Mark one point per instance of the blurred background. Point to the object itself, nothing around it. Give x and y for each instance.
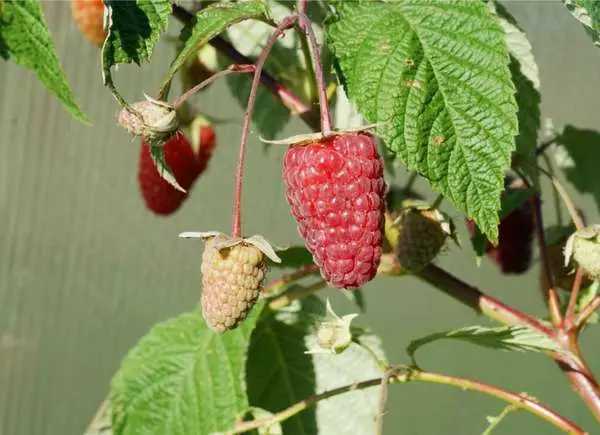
(85, 269)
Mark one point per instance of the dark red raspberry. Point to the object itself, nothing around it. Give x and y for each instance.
(335, 189)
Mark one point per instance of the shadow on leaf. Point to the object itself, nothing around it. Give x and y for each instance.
(579, 158)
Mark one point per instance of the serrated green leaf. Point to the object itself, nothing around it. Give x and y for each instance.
(577, 154)
(508, 338)
(587, 12)
(436, 75)
(157, 152)
(134, 28)
(525, 76)
(209, 22)
(25, 40)
(280, 374)
(183, 378)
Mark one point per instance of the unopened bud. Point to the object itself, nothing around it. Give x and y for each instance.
(584, 247)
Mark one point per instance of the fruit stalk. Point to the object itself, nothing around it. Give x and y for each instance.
(569, 323)
(306, 27)
(287, 23)
(589, 309)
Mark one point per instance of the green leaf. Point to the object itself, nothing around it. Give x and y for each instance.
(209, 22)
(280, 374)
(182, 378)
(436, 76)
(509, 338)
(587, 12)
(577, 154)
(25, 40)
(294, 257)
(525, 76)
(157, 152)
(135, 26)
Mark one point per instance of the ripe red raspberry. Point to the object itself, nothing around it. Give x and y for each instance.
(335, 190)
(89, 16)
(187, 162)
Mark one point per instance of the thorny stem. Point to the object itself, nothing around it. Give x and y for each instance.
(551, 295)
(287, 97)
(298, 293)
(556, 195)
(385, 382)
(404, 375)
(306, 27)
(231, 70)
(237, 214)
(569, 323)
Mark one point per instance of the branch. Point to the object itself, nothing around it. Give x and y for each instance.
(287, 97)
(479, 301)
(298, 293)
(277, 284)
(587, 312)
(570, 314)
(407, 375)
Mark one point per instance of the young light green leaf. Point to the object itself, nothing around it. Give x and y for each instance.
(280, 373)
(134, 28)
(587, 12)
(436, 75)
(209, 22)
(25, 40)
(526, 77)
(183, 378)
(510, 338)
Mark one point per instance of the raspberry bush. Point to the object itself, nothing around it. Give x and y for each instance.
(449, 89)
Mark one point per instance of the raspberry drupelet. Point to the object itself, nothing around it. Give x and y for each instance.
(335, 189)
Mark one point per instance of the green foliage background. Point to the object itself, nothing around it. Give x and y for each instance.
(75, 240)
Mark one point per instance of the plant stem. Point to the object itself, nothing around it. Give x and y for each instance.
(231, 70)
(575, 217)
(276, 285)
(587, 312)
(518, 400)
(298, 293)
(569, 322)
(237, 213)
(545, 145)
(438, 201)
(551, 295)
(306, 27)
(479, 301)
(287, 97)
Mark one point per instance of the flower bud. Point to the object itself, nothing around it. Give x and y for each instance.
(584, 247)
(333, 335)
(150, 118)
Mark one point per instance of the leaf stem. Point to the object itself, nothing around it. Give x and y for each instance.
(436, 203)
(287, 23)
(551, 295)
(575, 217)
(587, 312)
(404, 375)
(412, 178)
(306, 27)
(569, 322)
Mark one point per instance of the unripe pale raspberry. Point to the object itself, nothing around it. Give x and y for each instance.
(422, 234)
(335, 189)
(232, 279)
